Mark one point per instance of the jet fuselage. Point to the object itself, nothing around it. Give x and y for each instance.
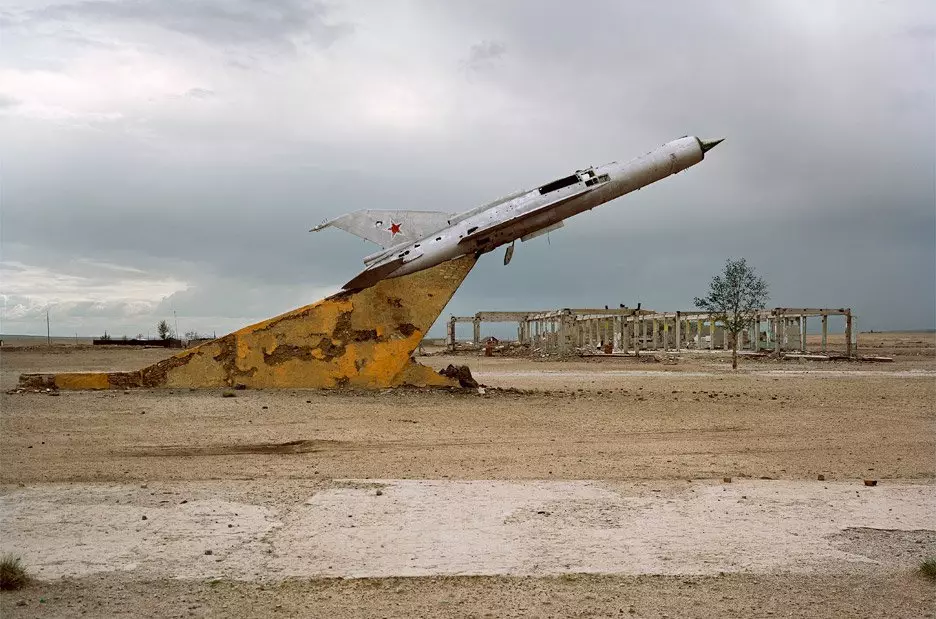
(526, 214)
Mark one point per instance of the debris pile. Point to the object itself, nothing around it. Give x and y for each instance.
(462, 373)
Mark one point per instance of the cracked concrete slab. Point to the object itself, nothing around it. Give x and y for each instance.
(441, 527)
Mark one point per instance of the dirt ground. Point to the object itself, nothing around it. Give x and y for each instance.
(596, 488)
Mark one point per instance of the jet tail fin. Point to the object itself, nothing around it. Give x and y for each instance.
(389, 228)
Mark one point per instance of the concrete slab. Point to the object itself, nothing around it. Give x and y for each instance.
(441, 527)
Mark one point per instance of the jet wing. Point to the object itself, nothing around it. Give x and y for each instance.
(369, 277)
(500, 225)
(388, 228)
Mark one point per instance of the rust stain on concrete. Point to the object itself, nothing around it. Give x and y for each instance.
(361, 339)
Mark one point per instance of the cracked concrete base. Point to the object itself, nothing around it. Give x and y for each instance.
(440, 527)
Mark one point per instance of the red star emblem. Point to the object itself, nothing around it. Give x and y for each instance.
(394, 228)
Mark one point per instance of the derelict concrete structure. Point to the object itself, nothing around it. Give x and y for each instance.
(568, 331)
(354, 339)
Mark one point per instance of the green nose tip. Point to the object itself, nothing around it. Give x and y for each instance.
(708, 145)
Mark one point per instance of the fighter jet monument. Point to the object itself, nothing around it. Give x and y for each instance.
(364, 336)
(416, 240)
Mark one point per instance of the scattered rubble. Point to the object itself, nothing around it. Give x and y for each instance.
(462, 373)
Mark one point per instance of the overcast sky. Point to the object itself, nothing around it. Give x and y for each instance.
(171, 155)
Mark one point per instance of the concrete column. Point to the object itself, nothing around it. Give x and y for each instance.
(803, 333)
(654, 331)
(451, 333)
(476, 323)
(698, 335)
(725, 338)
(678, 333)
(825, 331)
(778, 341)
(711, 332)
(848, 333)
(644, 326)
(566, 328)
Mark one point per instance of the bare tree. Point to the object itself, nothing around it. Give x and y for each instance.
(162, 328)
(734, 297)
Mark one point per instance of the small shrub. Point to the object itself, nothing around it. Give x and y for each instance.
(12, 573)
(928, 567)
(227, 393)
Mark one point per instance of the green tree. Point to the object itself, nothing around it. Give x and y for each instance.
(735, 295)
(162, 328)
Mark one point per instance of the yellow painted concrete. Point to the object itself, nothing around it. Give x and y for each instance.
(82, 380)
(361, 339)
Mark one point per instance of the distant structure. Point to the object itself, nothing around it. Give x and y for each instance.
(626, 330)
(170, 342)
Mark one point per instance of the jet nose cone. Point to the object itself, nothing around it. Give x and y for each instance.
(708, 145)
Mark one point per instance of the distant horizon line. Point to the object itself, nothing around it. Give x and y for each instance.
(97, 337)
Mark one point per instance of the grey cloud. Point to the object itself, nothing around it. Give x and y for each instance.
(484, 54)
(7, 101)
(200, 93)
(220, 22)
(926, 32)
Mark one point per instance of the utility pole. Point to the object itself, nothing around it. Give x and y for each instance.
(48, 329)
(178, 336)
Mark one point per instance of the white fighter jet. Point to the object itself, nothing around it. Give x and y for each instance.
(416, 240)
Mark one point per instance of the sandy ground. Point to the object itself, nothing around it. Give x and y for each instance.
(597, 491)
